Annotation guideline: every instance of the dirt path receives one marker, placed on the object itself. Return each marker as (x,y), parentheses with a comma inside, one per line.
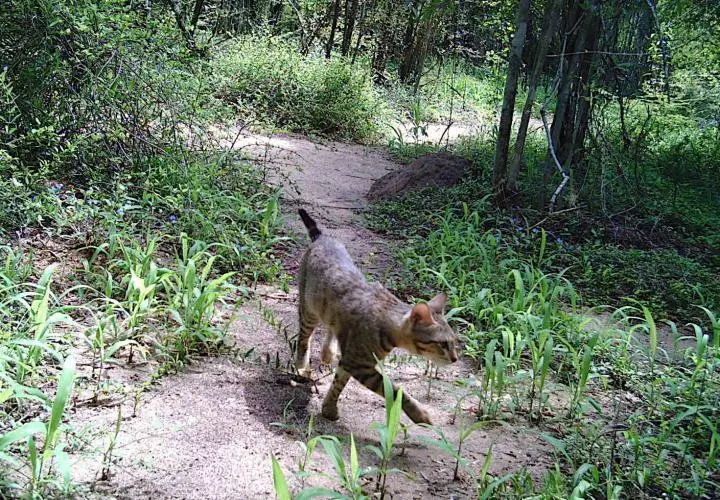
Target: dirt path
(209,431)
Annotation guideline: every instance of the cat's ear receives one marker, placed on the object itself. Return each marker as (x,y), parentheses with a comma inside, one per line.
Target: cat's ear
(437,304)
(421,314)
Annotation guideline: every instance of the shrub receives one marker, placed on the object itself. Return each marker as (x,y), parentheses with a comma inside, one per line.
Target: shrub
(273,83)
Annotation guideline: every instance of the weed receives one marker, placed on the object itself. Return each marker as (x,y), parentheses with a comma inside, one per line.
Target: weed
(388,433)
(192,296)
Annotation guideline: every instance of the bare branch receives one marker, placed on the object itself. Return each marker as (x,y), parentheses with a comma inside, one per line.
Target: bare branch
(565,175)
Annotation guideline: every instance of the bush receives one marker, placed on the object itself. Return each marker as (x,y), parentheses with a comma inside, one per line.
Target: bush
(273,83)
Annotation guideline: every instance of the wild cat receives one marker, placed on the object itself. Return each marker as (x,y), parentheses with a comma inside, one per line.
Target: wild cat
(365,319)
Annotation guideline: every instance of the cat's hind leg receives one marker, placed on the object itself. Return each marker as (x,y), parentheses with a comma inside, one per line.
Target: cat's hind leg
(371,378)
(308,322)
(329,407)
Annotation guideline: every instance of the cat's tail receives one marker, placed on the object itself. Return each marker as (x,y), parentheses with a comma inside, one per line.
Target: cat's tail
(310,224)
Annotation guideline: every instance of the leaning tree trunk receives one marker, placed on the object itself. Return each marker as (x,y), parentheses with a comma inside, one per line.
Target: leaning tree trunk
(550,21)
(333,28)
(506,115)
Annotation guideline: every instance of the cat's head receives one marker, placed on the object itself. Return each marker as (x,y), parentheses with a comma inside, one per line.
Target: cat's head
(429,335)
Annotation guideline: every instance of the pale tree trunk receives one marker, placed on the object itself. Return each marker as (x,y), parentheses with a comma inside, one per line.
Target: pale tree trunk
(550,22)
(506,115)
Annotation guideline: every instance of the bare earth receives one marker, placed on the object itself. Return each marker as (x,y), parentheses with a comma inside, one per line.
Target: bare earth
(209,432)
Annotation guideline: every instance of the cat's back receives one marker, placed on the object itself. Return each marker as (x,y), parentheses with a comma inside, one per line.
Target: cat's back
(328,262)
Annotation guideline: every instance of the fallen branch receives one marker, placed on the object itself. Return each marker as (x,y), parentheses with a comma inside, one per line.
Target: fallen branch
(565,175)
(553,213)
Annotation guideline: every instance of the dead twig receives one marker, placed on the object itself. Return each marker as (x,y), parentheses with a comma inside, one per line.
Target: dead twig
(553,214)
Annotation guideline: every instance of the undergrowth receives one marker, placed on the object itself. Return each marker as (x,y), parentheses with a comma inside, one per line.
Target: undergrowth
(127,305)
(521,320)
(519,283)
(664,256)
(164,222)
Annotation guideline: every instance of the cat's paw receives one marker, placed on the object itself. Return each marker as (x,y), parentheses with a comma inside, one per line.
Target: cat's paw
(305,372)
(330,413)
(421,417)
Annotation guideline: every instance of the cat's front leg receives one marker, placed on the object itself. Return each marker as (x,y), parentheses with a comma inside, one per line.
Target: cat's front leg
(372,379)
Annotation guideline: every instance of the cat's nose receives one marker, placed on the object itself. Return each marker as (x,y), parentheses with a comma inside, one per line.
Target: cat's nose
(453,355)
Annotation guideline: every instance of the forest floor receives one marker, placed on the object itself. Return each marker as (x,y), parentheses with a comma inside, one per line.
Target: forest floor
(209,431)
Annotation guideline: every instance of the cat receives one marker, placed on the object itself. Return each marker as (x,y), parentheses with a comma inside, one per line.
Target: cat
(365,319)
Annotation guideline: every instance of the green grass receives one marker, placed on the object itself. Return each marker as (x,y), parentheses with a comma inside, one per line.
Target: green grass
(520,320)
(136,307)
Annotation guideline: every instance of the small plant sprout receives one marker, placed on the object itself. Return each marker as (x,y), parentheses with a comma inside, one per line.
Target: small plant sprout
(387,432)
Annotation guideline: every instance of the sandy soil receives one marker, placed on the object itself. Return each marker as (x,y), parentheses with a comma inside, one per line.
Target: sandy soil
(208,432)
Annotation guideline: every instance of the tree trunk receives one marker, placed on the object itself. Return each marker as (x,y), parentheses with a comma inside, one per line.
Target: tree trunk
(180,21)
(333,28)
(361,26)
(506,115)
(351,8)
(276,12)
(197,11)
(550,21)
(382,48)
(572,89)
(409,43)
(572,111)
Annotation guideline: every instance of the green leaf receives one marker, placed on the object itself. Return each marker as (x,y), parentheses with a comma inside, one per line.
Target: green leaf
(23,432)
(62,463)
(281,487)
(354,466)
(318,492)
(62,395)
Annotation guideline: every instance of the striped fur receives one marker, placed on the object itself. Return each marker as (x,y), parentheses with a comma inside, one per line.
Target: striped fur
(365,320)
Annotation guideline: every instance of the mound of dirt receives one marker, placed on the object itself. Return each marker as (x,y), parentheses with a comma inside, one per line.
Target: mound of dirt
(436,169)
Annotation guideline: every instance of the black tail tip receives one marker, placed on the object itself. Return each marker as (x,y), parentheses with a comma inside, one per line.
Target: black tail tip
(310,224)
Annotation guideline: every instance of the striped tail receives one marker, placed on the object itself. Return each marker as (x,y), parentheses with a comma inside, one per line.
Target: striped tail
(310,224)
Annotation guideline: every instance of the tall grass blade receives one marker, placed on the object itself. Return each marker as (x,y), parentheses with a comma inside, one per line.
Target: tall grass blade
(65,386)
(281,487)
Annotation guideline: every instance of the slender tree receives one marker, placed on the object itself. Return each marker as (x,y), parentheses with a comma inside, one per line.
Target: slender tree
(333,28)
(351,10)
(508,107)
(549,27)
